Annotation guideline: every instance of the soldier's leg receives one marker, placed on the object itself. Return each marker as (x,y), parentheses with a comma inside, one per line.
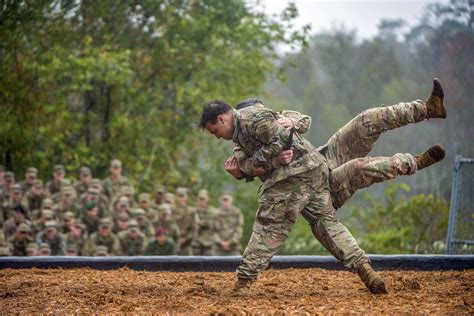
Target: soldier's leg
(360,173)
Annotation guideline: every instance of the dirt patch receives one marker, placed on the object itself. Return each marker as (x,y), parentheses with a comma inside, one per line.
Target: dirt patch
(276,292)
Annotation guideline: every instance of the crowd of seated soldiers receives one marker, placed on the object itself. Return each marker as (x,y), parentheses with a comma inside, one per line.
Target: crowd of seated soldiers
(93,217)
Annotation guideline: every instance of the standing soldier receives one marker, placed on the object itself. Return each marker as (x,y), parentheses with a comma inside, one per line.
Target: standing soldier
(54,186)
(104,237)
(34,197)
(114,183)
(159,197)
(30,176)
(230,222)
(132,240)
(186,218)
(144,200)
(206,238)
(84,182)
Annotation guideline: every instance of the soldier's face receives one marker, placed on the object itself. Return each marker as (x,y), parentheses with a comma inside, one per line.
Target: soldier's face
(223,127)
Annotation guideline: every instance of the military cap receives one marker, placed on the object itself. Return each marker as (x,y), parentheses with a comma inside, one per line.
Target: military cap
(164,208)
(32,170)
(85,171)
(160,188)
(68,190)
(169,198)
(105,222)
(138,212)
(65,182)
(93,191)
(96,182)
(116,163)
(71,247)
(9,175)
(182,191)
(90,205)
(38,184)
(123,201)
(5,252)
(69,215)
(16,187)
(160,230)
(47,214)
(126,190)
(203,193)
(58,168)
(101,251)
(44,246)
(51,224)
(144,197)
(133,224)
(32,246)
(123,216)
(47,203)
(23,228)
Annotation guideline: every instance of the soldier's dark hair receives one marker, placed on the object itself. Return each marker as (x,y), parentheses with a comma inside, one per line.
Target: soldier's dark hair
(247,102)
(211,110)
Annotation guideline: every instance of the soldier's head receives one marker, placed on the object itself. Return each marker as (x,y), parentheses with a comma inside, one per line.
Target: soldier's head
(47,204)
(31,175)
(170,198)
(58,173)
(181,196)
(226,200)
(22,232)
(46,215)
(122,221)
(133,228)
(16,193)
(203,198)
(92,194)
(71,250)
(123,204)
(161,235)
(97,185)
(77,229)
(249,102)
(144,201)
(104,226)
(32,249)
(101,251)
(9,177)
(50,229)
(68,194)
(69,219)
(85,176)
(217,119)
(139,215)
(115,168)
(44,249)
(165,212)
(160,191)
(19,213)
(37,188)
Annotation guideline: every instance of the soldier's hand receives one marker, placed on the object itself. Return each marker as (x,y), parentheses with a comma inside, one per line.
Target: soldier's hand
(257,171)
(285,157)
(286,122)
(232,167)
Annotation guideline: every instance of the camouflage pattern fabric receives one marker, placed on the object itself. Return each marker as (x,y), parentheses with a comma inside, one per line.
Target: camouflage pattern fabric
(229,228)
(187,220)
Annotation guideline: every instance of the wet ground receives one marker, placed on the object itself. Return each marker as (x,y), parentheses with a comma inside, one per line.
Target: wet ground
(291,291)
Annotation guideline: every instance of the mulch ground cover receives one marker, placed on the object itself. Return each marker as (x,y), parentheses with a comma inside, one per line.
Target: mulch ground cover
(280,292)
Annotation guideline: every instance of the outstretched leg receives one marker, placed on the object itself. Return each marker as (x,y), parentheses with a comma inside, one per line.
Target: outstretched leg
(357,138)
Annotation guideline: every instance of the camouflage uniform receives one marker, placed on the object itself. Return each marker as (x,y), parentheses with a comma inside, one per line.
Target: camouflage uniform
(206,238)
(186,218)
(113,187)
(110,240)
(57,243)
(32,201)
(301,186)
(19,245)
(230,224)
(132,246)
(80,241)
(167,249)
(170,225)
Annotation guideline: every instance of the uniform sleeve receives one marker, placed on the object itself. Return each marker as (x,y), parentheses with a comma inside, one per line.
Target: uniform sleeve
(273,137)
(301,122)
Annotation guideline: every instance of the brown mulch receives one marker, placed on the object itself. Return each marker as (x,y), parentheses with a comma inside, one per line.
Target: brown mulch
(278,292)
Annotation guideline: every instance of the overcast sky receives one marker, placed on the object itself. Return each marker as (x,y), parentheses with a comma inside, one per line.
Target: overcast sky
(353,14)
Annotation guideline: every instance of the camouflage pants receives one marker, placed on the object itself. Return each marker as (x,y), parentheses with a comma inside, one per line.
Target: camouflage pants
(308,194)
(346,150)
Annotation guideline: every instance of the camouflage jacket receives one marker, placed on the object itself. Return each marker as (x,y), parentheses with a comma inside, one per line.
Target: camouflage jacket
(187,220)
(230,225)
(132,246)
(207,226)
(261,137)
(110,241)
(112,188)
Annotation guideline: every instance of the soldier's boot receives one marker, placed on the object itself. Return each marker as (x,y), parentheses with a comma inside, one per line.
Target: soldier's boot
(432,155)
(241,288)
(435,104)
(371,279)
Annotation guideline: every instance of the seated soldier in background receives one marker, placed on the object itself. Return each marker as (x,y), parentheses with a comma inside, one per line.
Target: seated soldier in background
(54,186)
(121,223)
(16,198)
(34,197)
(144,224)
(159,197)
(77,235)
(20,240)
(71,250)
(44,249)
(90,217)
(32,249)
(30,176)
(144,200)
(67,202)
(185,216)
(132,241)
(104,237)
(165,219)
(230,224)
(206,239)
(18,216)
(161,245)
(170,199)
(83,184)
(53,238)
(39,224)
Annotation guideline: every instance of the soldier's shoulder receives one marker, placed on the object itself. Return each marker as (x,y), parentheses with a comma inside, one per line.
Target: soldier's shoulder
(257,113)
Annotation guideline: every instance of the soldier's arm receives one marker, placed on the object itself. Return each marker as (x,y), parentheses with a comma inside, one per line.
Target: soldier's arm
(301,122)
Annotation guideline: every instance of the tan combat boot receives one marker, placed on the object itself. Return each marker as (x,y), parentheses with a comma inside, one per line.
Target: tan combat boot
(371,279)
(241,288)
(435,103)
(432,155)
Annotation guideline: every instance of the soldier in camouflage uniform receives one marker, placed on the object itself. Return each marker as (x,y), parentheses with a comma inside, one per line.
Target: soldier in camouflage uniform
(93,195)
(20,240)
(84,182)
(161,245)
(54,186)
(16,199)
(38,225)
(90,217)
(71,250)
(159,197)
(185,216)
(165,219)
(32,249)
(30,176)
(44,249)
(144,202)
(299,184)
(144,223)
(206,238)
(67,203)
(77,235)
(18,217)
(116,181)
(104,237)
(230,222)
(132,241)
(34,197)
(51,236)
(121,222)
